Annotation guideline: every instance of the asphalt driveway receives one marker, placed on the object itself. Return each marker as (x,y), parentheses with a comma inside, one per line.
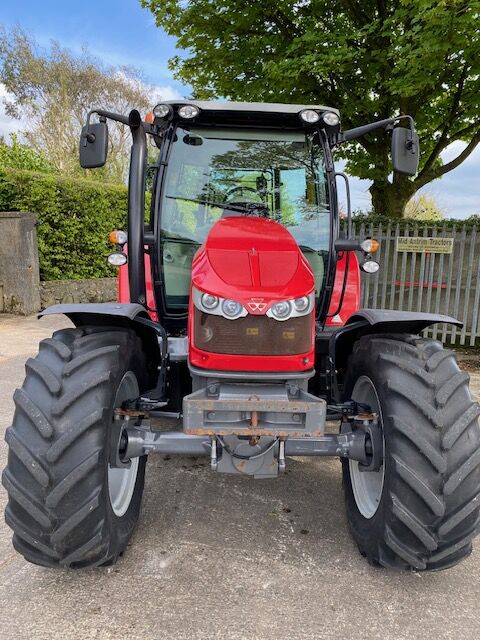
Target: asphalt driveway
(219,556)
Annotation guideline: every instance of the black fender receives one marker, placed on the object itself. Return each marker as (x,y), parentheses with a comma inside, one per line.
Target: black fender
(369,321)
(127,315)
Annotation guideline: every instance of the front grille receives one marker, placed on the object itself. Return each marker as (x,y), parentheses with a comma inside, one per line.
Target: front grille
(252,335)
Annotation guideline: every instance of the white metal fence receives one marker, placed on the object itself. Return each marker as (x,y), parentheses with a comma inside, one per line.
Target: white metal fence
(446,283)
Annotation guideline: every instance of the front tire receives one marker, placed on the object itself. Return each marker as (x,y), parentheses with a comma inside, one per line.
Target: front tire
(67,506)
(424,510)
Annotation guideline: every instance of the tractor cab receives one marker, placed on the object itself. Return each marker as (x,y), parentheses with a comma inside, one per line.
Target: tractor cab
(260,172)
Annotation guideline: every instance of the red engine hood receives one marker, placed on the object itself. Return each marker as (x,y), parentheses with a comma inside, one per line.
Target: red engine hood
(245,258)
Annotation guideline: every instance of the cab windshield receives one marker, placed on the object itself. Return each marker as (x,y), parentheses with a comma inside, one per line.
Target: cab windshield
(213,173)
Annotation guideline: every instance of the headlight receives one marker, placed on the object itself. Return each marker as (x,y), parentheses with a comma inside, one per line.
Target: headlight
(286,309)
(209,301)
(310,116)
(301,304)
(188,111)
(370,266)
(161,110)
(216,306)
(117,259)
(331,119)
(281,310)
(232,309)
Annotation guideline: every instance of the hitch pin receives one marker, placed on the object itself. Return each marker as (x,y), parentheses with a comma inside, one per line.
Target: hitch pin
(213,455)
(281,456)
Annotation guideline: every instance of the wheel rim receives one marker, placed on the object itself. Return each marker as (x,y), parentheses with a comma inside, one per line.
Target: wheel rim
(121,481)
(367,486)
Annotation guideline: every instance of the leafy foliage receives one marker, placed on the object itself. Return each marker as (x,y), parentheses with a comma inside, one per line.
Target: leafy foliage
(75,217)
(424,207)
(17,155)
(374,220)
(53,90)
(370,59)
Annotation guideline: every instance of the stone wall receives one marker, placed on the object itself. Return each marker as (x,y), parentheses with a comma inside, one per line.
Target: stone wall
(21,291)
(19,277)
(69,291)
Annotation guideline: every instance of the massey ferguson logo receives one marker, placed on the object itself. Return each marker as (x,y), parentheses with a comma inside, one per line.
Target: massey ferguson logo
(257,305)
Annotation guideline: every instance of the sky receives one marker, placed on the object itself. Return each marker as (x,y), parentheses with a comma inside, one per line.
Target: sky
(120,32)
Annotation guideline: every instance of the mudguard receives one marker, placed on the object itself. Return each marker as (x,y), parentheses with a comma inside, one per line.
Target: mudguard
(368,321)
(399,321)
(81,314)
(128,315)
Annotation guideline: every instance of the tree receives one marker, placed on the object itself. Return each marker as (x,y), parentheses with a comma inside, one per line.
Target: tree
(52,92)
(424,207)
(371,59)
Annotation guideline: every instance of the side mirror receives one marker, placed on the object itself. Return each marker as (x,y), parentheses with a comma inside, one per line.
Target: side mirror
(94,145)
(405,151)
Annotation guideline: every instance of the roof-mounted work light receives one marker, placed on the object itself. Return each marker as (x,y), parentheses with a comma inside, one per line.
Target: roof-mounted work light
(330,118)
(188,111)
(162,110)
(310,116)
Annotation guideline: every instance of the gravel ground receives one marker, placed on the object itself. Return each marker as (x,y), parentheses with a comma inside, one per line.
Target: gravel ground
(219,556)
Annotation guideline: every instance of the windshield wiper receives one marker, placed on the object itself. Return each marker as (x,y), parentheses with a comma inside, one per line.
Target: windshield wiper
(220,205)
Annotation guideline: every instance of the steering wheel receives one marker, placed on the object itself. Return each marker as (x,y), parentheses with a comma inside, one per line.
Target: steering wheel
(240,189)
(259,209)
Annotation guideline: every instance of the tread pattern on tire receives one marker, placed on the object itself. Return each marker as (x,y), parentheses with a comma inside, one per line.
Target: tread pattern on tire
(434,441)
(56,465)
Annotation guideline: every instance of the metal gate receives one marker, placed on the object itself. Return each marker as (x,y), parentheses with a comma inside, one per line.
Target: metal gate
(422,280)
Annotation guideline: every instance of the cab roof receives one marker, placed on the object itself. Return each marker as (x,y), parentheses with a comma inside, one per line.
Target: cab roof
(250,113)
(259,107)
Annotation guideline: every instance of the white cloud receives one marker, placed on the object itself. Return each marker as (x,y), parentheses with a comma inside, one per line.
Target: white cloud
(165,92)
(157,93)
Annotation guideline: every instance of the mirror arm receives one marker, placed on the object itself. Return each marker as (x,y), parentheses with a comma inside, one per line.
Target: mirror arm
(107,114)
(152,129)
(388,123)
(357,132)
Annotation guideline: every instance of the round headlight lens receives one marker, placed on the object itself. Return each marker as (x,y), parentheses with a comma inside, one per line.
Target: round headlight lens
(281,310)
(209,301)
(331,119)
(188,111)
(161,110)
(301,304)
(370,266)
(231,309)
(117,259)
(310,116)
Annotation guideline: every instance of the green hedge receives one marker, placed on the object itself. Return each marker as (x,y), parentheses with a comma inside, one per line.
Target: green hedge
(75,217)
(448,223)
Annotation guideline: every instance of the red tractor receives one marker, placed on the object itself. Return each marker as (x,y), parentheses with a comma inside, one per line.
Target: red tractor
(238,336)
